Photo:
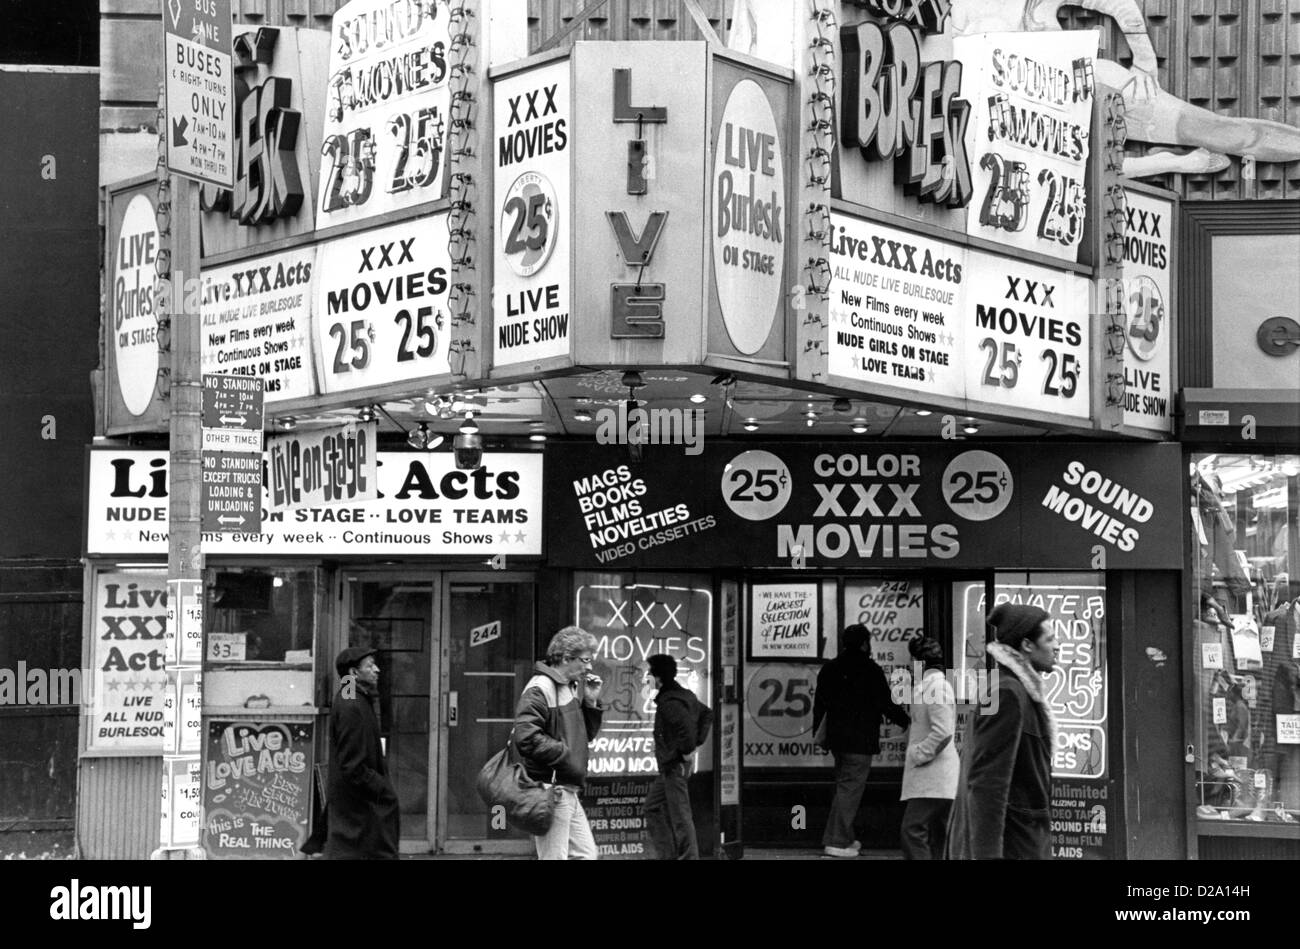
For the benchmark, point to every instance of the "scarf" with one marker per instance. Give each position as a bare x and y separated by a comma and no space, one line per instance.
1011,660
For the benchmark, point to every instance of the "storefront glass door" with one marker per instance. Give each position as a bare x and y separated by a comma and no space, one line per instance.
395,614
488,639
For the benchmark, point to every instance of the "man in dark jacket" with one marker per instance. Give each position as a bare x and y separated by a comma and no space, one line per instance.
853,696
362,810
558,714
682,722
1004,793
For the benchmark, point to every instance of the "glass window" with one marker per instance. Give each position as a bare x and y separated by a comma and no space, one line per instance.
262,615
1244,616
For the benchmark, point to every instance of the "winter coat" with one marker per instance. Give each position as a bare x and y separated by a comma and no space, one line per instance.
1003,801
932,764
553,727
853,691
682,722
361,810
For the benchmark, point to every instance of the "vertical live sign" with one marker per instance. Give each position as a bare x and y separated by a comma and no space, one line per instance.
199,94
232,454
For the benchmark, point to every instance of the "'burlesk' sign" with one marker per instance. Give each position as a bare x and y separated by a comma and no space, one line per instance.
792,505
939,318
387,108
1029,137
424,505
897,108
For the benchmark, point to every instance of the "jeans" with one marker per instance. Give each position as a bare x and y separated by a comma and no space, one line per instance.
668,816
851,772
570,835
925,828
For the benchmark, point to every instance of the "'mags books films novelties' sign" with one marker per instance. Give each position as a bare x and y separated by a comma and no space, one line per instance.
953,505
425,505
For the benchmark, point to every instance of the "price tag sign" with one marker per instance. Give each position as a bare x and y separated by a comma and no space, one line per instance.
1261,780
1212,655
227,647
1220,711
1267,636
185,618
1288,729
181,803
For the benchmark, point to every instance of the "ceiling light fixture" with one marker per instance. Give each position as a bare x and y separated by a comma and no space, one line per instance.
469,426
971,429
582,415
751,426
842,405
537,437
859,429
699,399
288,423
366,413
632,380
924,412
421,439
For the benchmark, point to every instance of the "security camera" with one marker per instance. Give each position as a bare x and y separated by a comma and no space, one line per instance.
469,451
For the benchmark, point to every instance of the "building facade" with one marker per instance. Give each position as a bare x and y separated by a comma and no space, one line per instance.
744,322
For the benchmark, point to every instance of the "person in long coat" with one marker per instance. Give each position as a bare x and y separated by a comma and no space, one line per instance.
362,808
1003,804
931,769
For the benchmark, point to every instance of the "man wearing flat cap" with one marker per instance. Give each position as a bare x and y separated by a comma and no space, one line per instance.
1004,792
362,805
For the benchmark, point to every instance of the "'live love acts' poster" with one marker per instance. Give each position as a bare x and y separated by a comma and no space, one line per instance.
257,788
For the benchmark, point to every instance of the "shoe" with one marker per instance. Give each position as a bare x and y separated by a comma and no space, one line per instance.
856,845
840,851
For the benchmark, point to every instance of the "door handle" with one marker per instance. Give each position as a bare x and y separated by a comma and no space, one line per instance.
453,709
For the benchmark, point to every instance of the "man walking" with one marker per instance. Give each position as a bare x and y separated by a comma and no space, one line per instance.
682,722
852,697
1004,792
362,812
558,714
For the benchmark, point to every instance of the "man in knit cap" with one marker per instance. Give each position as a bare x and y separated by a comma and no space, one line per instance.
1004,792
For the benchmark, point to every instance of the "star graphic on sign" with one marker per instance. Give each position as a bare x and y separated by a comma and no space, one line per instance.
113,686
110,535
519,536
131,684
931,375
505,538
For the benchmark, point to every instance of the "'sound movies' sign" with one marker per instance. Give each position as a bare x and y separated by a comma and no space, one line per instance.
381,306
387,109
530,308
1029,137
257,321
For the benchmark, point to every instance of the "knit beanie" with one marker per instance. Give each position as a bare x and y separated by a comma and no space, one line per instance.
1012,622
